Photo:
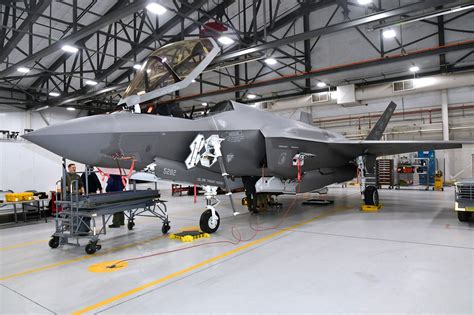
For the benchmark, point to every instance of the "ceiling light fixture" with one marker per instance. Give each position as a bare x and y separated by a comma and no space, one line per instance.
23,70
70,108
41,108
137,66
225,40
321,84
156,8
389,33
414,69
251,96
193,80
70,49
204,104
91,82
364,2
270,61
54,94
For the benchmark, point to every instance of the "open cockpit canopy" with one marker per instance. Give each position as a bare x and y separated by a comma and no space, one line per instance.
188,112
170,68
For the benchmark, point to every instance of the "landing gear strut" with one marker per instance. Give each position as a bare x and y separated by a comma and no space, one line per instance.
210,219
368,181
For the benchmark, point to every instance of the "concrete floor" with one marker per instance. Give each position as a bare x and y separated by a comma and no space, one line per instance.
412,256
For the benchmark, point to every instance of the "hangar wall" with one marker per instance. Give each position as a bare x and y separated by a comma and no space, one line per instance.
23,165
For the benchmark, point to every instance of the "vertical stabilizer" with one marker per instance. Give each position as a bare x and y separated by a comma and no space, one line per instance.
377,132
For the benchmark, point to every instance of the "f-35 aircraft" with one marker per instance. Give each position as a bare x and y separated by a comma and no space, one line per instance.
217,146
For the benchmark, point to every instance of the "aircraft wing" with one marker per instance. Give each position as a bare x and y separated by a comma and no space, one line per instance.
378,148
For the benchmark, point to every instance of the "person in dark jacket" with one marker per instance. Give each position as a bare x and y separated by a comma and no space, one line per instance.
115,183
94,184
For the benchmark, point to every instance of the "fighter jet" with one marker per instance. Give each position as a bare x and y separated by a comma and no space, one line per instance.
217,146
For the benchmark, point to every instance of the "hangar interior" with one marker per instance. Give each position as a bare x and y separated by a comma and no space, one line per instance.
338,63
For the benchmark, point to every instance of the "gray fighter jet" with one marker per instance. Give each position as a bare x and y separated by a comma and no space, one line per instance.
217,146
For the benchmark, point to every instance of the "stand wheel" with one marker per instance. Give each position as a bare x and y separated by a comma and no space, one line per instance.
165,228
207,223
371,196
463,216
91,248
54,242
130,225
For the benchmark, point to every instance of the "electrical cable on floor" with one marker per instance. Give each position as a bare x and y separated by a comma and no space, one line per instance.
235,234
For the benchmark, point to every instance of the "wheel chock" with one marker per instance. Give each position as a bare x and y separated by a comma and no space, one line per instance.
189,236
370,208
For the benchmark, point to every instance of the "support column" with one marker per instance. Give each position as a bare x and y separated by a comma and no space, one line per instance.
445,122
444,113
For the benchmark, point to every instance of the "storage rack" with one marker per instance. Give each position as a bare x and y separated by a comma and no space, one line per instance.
384,172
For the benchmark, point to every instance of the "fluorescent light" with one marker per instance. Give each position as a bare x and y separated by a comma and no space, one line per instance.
54,94
321,84
23,70
70,108
389,33
414,69
137,66
364,2
42,108
251,96
204,104
193,80
91,82
140,93
70,49
270,61
225,40
156,8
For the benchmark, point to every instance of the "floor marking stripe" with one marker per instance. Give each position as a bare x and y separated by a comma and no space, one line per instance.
201,264
70,261
22,245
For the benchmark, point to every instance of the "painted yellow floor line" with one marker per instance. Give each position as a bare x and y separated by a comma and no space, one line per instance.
22,245
199,265
70,261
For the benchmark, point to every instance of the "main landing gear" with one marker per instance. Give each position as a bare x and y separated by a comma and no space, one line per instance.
368,185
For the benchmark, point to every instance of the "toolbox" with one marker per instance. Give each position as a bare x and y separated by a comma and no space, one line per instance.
14,197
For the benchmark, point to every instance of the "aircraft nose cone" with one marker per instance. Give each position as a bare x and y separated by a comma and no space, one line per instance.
80,140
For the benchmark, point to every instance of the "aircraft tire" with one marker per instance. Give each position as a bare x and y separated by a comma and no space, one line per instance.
371,196
206,224
165,228
463,216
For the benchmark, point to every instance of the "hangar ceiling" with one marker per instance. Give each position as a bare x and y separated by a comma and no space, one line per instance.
331,41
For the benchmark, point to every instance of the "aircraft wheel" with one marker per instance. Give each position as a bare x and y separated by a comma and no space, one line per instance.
130,225
463,216
54,242
165,228
207,223
371,196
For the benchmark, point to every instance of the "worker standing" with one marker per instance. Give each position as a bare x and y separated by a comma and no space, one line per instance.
93,184
115,183
71,177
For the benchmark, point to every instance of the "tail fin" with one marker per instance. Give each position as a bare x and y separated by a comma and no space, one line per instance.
306,118
377,132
